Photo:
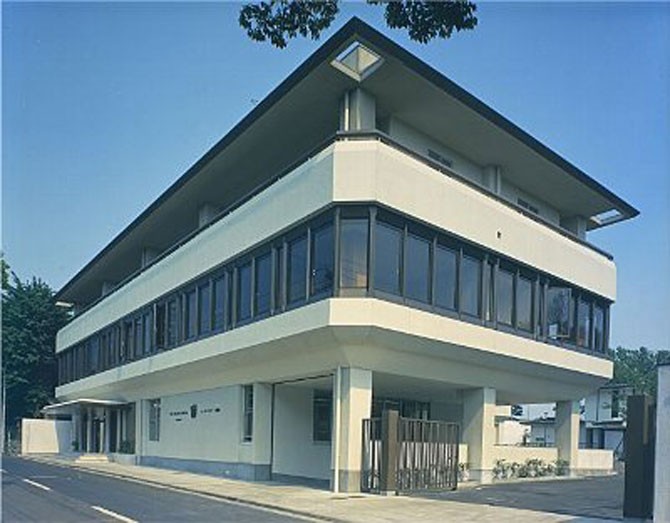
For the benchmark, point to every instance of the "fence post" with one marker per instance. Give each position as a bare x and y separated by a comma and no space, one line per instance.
639,481
389,461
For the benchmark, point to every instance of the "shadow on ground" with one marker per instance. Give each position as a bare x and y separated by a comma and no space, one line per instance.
597,497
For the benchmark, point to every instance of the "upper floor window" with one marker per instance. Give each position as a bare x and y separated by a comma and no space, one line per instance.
297,269
172,322
417,268
354,253
505,297
446,263
204,308
244,292
559,300
263,284
191,314
147,331
524,303
598,328
161,317
471,285
220,295
388,253
583,322
322,258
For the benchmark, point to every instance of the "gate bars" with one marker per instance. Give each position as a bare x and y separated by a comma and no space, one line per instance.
403,454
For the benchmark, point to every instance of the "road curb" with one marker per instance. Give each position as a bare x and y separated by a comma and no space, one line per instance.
224,497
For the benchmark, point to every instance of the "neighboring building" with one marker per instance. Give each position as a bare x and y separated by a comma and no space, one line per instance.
543,432
605,418
370,236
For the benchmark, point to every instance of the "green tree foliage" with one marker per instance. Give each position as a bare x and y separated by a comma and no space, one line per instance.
30,320
637,368
282,20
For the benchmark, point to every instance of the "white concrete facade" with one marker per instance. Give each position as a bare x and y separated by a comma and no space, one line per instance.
284,394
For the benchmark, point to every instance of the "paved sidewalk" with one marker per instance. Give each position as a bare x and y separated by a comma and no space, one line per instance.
318,504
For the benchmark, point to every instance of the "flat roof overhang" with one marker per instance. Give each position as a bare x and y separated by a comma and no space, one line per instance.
303,112
65,406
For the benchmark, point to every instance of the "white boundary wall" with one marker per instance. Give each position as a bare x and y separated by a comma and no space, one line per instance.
45,436
662,472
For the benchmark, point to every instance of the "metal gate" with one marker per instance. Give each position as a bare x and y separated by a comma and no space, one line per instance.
403,454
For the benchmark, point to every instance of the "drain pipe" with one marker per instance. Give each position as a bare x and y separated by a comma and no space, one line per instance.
336,439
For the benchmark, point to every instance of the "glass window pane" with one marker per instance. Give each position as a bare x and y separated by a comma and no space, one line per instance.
417,268
558,312
244,292
445,277
471,285
220,289
323,257
172,322
138,342
160,325
204,308
263,283
191,315
279,278
354,253
297,267
598,328
524,304
583,323
388,250
148,331
505,297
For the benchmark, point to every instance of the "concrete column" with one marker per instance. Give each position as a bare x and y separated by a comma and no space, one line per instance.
358,111
108,435
89,429
479,409
262,432
567,432
119,428
356,405
662,459
76,429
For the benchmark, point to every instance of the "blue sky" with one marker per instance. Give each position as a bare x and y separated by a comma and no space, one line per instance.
105,105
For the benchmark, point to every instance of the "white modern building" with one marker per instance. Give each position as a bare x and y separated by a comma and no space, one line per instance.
369,237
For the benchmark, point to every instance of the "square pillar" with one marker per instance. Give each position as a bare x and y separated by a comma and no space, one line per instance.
262,432
106,428
89,430
567,432
479,410
76,430
355,397
119,428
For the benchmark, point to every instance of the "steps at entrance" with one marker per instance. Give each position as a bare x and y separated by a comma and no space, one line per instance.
92,458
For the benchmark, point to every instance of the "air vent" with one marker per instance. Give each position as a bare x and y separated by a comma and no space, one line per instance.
529,207
357,61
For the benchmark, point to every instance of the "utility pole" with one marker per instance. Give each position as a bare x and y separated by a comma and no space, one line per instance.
4,410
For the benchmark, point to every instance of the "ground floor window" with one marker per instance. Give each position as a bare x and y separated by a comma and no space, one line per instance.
154,420
247,412
322,415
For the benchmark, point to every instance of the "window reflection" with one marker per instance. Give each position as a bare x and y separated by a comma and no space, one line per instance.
354,253
388,247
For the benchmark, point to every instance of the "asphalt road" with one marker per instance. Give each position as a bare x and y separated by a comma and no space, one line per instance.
38,492
595,497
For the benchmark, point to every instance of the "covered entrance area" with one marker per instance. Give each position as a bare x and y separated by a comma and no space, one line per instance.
98,426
